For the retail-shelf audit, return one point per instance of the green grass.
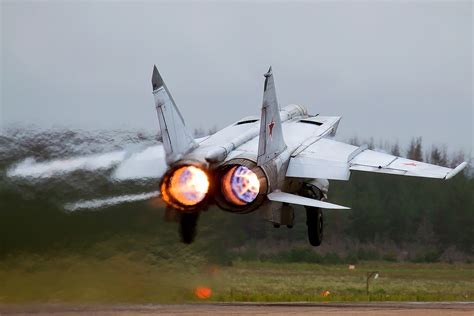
(305, 282)
(137, 278)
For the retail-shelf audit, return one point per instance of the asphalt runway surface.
(373, 308)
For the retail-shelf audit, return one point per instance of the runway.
(373, 308)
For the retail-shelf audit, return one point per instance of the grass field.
(133, 278)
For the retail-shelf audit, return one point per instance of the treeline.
(392, 218)
(431, 212)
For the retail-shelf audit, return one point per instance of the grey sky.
(393, 70)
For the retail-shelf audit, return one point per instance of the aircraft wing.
(333, 160)
(145, 164)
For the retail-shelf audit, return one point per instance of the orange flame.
(188, 185)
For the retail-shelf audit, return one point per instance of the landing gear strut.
(314, 217)
(187, 226)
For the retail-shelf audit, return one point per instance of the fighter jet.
(267, 163)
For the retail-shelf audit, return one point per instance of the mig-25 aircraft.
(269, 163)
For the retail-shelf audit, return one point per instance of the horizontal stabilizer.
(300, 200)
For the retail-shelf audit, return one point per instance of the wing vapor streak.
(29, 167)
(99, 203)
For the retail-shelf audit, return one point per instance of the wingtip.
(456, 170)
(156, 80)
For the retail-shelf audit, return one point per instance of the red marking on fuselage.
(410, 164)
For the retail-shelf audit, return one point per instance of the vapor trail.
(97, 203)
(30, 168)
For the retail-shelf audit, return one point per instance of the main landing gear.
(314, 217)
(187, 226)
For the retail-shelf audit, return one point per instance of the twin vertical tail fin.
(271, 142)
(177, 140)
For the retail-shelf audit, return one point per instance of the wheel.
(187, 227)
(314, 217)
(314, 221)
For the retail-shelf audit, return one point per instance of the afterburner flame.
(241, 185)
(188, 185)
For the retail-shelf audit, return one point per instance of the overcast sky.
(393, 70)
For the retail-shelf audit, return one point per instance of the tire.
(315, 223)
(314, 217)
(187, 227)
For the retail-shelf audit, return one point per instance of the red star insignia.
(270, 128)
